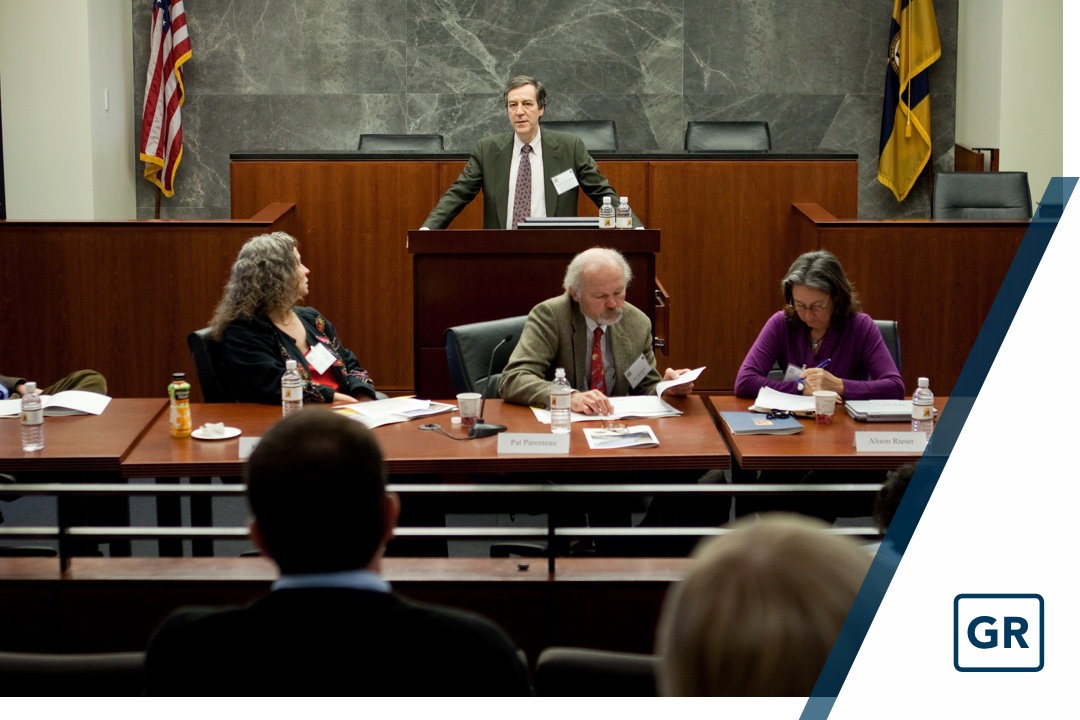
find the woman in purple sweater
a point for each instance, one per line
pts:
(821, 325)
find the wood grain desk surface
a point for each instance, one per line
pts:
(817, 447)
(691, 441)
(86, 443)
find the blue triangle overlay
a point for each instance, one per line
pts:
(967, 387)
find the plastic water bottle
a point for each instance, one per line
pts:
(33, 423)
(560, 403)
(292, 389)
(922, 409)
(624, 220)
(607, 214)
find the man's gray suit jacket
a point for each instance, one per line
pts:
(556, 335)
(488, 169)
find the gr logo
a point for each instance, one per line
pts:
(998, 633)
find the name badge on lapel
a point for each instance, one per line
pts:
(319, 358)
(638, 371)
(565, 181)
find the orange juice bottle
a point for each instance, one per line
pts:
(179, 406)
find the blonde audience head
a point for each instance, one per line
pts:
(760, 609)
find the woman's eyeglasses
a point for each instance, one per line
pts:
(815, 309)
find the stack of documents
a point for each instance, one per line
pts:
(391, 410)
(69, 402)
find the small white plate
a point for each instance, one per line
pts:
(230, 432)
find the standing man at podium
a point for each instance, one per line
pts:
(526, 173)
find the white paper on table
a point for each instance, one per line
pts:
(68, 402)
(687, 377)
(636, 406)
(769, 399)
(389, 406)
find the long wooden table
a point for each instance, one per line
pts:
(690, 441)
(817, 447)
(84, 448)
(81, 443)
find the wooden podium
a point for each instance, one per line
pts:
(467, 276)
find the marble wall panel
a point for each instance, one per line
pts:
(577, 46)
(314, 74)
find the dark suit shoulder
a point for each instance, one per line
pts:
(331, 641)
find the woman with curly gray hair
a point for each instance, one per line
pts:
(260, 326)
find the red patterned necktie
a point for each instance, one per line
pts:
(596, 373)
(523, 190)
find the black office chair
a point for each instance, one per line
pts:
(210, 367)
(117, 674)
(382, 142)
(727, 136)
(577, 672)
(890, 333)
(598, 135)
(981, 196)
(469, 349)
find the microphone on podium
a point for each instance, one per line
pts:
(482, 429)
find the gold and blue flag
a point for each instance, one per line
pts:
(905, 118)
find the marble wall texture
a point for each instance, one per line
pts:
(314, 74)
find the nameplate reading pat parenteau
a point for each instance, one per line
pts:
(534, 444)
(891, 442)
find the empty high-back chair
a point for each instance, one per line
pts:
(727, 136)
(598, 135)
(981, 196)
(381, 142)
(469, 350)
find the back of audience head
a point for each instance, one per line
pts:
(317, 491)
(891, 493)
(760, 609)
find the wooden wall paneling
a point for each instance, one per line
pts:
(937, 279)
(353, 219)
(629, 178)
(729, 234)
(472, 217)
(117, 297)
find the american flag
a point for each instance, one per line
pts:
(162, 143)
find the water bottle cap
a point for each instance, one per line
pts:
(607, 199)
(924, 382)
(624, 200)
(31, 387)
(560, 372)
(290, 364)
